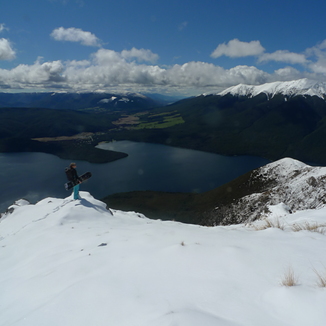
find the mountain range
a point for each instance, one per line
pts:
(289, 89)
(274, 120)
(82, 101)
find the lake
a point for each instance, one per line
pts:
(35, 176)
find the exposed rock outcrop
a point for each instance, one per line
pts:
(297, 185)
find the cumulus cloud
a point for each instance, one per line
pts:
(6, 50)
(283, 56)
(287, 73)
(135, 70)
(29, 76)
(237, 49)
(317, 54)
(110, 69)
(73, 34)
(140, 55)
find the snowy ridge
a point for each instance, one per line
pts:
(75, 263)
(289, 88)
(288, 181)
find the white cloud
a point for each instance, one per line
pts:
(134, 70)
(106, 57)
(283, 56)
(237, 49)
(109, 69)
(140, 55)
(319, 67)
(73, 34)
(317, 54)
(6, 50)
(30, 76)
(287, 73)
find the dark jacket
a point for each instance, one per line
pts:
(72, 175)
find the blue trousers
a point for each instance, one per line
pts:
(76, 192)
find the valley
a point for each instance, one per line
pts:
(271, 121)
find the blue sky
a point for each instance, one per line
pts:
(182, 47)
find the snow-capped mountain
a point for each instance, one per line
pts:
(289, 88)
(78, 101)
(297, 185)
(76, 263)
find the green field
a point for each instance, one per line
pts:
(159, 121)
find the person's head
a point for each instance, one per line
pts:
(72, 165)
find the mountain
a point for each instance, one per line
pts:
(164, 99)
(38, 122)
(78, 101)
(290, 121)
(289, 89)
(295, 184)
(20, 126)
(76, 263)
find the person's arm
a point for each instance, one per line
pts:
(79, 180)
(75, 175)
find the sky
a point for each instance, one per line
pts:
(176, 47)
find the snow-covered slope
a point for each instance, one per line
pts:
(290, 88)
(75, 263)
(299, 186)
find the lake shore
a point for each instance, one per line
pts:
(37, 175)
(70, 149)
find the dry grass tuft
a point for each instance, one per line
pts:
(321, 278)
(269, 224)
(313, 227)
(289, 278)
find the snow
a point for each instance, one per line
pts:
(108, 100)
(113, 98)
(290, 88)
(300, 185)
(295, 184)
(124, 99)
(66, 262)
(286, 167)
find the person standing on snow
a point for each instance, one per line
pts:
(73, 176)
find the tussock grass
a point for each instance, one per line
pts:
(313, 227)
(289, 278)
(269, 224)
(321, 278)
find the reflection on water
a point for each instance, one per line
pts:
(35, 176)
